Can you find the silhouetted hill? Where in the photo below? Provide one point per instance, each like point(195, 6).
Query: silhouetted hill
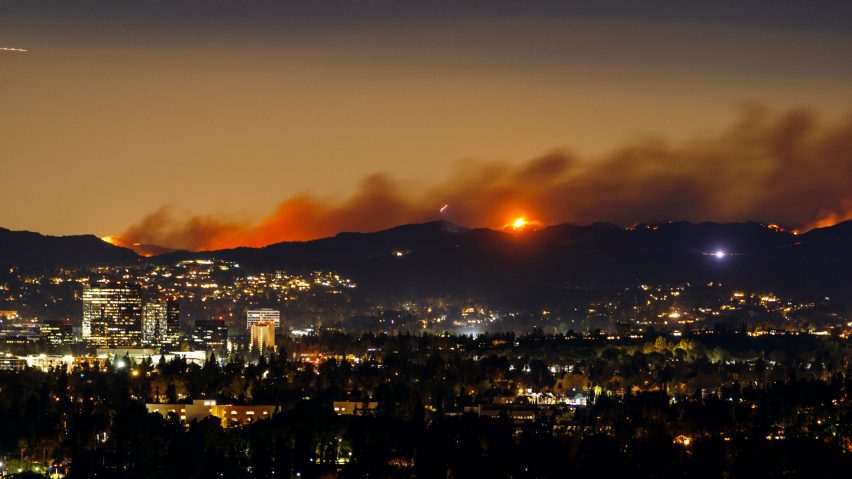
point(343, 247)
point(439, 257)
point(25, 248)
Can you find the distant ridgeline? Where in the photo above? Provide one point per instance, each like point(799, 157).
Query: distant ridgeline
point(442, 258)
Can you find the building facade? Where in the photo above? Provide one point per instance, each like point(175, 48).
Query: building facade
point(160, 323)
point(262, 336)
point(355, 408)
point(230, 415)
point(9, 362)
point(210, 334)
point(153, 322)
point(264, 315)
point(57, 333)
point(112, 316)
point(172, 334)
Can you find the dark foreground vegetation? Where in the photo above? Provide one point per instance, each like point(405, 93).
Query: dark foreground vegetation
point(710, 405)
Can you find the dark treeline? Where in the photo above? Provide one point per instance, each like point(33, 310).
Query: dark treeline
point(705, 406)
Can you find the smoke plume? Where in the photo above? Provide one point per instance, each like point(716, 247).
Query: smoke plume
point(791, 168)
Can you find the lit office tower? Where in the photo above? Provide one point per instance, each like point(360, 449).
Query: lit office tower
point(112, 316)
point(160, 323)
point(262, 336)
point(265, 315)
point(57, 333)
point(153, 322)
point(172, 334)
point(210, 334)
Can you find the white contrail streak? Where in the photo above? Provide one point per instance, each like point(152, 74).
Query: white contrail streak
point(12, 49)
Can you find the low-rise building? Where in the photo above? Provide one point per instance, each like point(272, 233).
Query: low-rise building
point(230, 415)
point(45, 362)
point(356, 408)
point(57, 333)
point(517, 413)
point(234, 415)
point(9, 362)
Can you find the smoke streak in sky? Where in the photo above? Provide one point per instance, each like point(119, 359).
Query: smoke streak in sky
point(226, 108)
point(790, 168)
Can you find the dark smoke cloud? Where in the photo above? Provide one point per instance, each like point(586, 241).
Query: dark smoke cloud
point(789, 168)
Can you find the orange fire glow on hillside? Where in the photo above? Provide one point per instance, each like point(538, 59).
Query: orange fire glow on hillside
point(832, 218)
point(521, 223)
point(655, 181)
point(142, 250)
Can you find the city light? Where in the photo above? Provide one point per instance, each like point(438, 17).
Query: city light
point(222, 259)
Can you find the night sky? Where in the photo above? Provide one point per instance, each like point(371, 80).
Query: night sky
point(207, 124)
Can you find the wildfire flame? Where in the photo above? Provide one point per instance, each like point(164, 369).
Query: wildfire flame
point(832, 218)
point(656, 179)
point(140, 249)
point(521, 223)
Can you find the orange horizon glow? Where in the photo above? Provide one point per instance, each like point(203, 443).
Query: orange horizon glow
point(307, 218)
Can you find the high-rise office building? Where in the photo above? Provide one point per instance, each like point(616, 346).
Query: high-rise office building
point(112, 316)
point(160, 323)
point(172, 334)
point(57, 333)
point(210, 334)
point(264, 315)
point(153, 322)
point(262, 336)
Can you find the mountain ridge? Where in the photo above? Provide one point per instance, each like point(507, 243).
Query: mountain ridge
point(28, 248)
point(443, 258)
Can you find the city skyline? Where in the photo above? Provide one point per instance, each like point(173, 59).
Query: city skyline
point(508, 239)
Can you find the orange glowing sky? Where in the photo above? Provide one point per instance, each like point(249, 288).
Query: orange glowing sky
point(225, 113)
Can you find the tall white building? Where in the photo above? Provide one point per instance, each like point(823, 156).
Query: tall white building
point(153, 321)
point(160, 322)
point(264, 315)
